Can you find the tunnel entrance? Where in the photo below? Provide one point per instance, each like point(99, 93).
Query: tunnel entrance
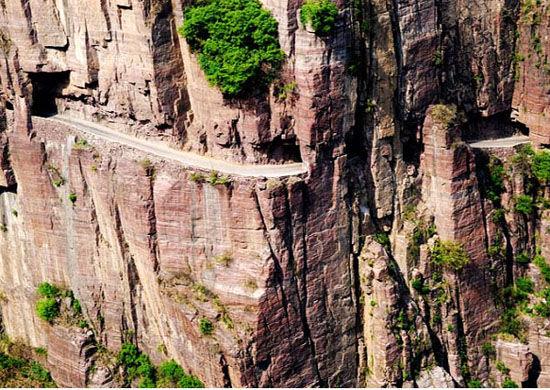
point(46, 87)
point(534, 373)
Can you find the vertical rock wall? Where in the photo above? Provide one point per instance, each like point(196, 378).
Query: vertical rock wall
point(288, 270)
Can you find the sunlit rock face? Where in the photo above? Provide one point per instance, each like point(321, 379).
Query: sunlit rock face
point(326, 278)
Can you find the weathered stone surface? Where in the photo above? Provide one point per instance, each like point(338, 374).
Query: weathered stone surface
point(531, 95)
point(69, 355)
point(437, 377)
point(286, 269)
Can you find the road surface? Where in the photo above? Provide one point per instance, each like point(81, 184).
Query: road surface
point(188, 159)
point(507, 142)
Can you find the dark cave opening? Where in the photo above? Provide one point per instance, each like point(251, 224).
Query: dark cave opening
point(11, 188)
point(46, 88)
point(520, 127)
point(283, 149)
point(412, 142)
point(534, 373)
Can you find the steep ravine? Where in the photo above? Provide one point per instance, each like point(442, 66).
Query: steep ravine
point(352, 274)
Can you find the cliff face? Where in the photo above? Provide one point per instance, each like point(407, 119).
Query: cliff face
point(323, 278)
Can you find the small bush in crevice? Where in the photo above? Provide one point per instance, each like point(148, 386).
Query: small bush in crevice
point(320, 15)
point(498, 216)
point(449, 254)
point(206, 327)
point(48, 290)
point(542, 308)
point(543, 266)
point(524, 205)
point(511, 324)
point(444, 114)
point(72, 197)
point(474, 384)
point(216, 179)
point(525, 285)
point(170, 374)
point(496, 180)
point(49, 306)
point(225, 259)
point(523, 258)
point(196, 177)
point(383, 239)
point(81, 144)
point(522, 159)
point(488, 349)
point(285, 91)
point(501, 367)
point(509, 384)
point(47, 309)
point(17, 370)
point(541, 166)
point(418, 285)
point(137, 366)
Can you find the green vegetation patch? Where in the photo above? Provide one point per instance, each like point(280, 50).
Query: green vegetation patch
point(236, 42)
point(72, 197)
point(138, 368)
point(170, 374)
point(542, 308)
point(543, 266)
point(474, 384)
point(383, 239)
point(450, 254)
point(18, 369)
point(206, 327)
point(48, 309)
point(524, 205)
point(509, 384)
point(320, 15)
point(523, 258)
point(49, 306)
point(496, 180)
point(541, 166)
point(419, 285)
point(444, 114)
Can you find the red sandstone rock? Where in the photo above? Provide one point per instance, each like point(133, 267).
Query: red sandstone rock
point(141, 245)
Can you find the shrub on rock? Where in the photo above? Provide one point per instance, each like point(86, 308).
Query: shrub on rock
point(320, 15)
point(237, 44)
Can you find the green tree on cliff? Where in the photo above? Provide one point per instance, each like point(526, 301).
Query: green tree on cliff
point(236, 42)
point(541, 166)
point(320, 15)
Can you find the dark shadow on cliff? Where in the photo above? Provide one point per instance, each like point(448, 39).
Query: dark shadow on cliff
point(279, 148)
point(46, 88)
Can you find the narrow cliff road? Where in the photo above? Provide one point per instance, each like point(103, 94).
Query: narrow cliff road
point(188, 159)
point(508, 142)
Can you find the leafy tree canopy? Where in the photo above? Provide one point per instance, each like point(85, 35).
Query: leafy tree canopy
point(237, 44)
point(320, 15)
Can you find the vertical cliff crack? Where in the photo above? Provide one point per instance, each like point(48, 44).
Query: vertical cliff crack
point(152, 219)
point(280, 280)
point(304, 298)
point(26, 5)
point(133, 276)
point(225, 371)
point(105, 10)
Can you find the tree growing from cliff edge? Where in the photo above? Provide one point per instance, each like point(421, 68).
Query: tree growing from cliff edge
point(320, 15)
point(236, 42)
point(541, 166)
